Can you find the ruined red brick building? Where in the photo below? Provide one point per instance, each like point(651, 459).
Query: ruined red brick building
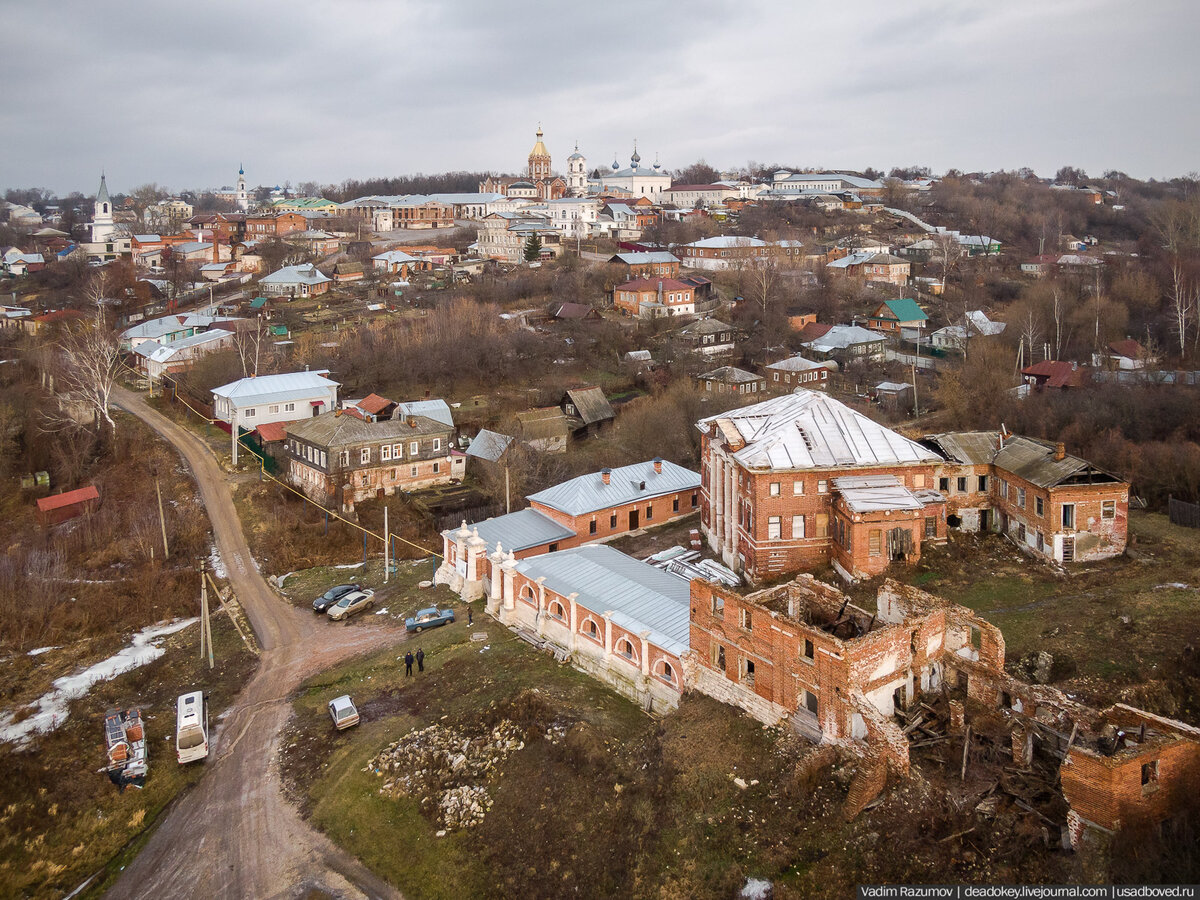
point(803, 480)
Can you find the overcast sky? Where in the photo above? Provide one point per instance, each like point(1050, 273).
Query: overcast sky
point(181, 93)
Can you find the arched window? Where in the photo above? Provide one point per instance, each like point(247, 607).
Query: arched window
point(625, 648)
point(557, 611)
point(590, 629)
point(527, 593)
point(665, 672)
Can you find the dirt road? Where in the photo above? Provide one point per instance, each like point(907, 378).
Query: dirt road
point(235, 835)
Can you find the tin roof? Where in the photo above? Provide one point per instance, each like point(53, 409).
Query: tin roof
point(810, 430)
point(297, 385)
point(68, 498)
point(640, 597)
point(1027, 458)
point(489, 445)
point(590, 404)
point(438, 410)
point(519, 531)
point(730, 375)
point(335, 429)
point(626, 484)
point(875, 493)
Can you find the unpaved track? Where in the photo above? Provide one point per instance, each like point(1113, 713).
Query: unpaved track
point(235, 835)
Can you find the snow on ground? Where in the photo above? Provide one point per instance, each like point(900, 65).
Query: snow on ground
point(40, 650)
point(350, 566)
point(381, 612)
point(52, 707)
point(218, 564)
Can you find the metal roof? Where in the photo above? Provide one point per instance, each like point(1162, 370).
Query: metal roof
point(626, 484)
point(875, 493)
point(438, 410)
point(156, 328)
point(262, 385)
point(906, 310)
point(518, 531)
point(336, 429)
point(489, 445)
point(645, 256)
point(839, 337)
point(305, 274)
point(730, 375)
point(640, 597)
point(727, 241)
point(797, 364)
point(163, 352)
point(810, 430)
point(1027, 458)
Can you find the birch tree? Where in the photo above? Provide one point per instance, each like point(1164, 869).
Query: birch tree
point(89, 363)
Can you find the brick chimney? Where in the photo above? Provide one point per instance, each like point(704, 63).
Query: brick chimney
point(658, 465)
point(1060, 451)
point(412, 422)
point(606, 475)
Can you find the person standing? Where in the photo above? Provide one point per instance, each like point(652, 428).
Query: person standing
point(470, 618)
point(420, 660)
point(408, 661)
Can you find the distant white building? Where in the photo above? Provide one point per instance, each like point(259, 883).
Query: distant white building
point(637, 181)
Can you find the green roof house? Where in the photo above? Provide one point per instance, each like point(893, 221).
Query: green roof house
point(893, 315)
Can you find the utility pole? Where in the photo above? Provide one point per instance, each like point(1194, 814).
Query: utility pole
point(203, 607)
point(387, 540)
point(233, 427)
point(507, 501)
point(161, 520)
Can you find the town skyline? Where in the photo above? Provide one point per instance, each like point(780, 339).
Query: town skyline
point(932, 85)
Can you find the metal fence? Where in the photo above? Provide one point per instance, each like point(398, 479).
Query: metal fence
point(1185, 514)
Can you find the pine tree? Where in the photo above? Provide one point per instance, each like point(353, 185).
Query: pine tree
point(533, 248)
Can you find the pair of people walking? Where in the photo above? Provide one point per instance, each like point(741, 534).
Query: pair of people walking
point(408, 661)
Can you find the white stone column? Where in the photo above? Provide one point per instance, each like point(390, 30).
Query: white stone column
point(496, 587)
point(539, 620)
point(645, 636)
point(607, 636)
point(574, 621)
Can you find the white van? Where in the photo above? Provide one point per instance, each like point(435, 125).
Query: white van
point(191, 727)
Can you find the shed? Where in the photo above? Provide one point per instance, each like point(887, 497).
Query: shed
point(68, 505)
point(589, 407)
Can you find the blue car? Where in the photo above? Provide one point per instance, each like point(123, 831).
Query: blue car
point(429, 618)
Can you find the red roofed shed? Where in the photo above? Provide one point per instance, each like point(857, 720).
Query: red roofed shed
point(68, 505)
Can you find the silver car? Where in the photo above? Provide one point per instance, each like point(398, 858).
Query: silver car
point(355, 601)
point(343, 713)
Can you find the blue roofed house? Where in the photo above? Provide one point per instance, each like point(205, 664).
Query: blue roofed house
point(265, 399)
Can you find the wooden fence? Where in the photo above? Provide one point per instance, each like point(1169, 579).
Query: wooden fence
point(1185, 514)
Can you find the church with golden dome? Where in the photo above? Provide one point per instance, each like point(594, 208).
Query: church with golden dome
point(538, 182)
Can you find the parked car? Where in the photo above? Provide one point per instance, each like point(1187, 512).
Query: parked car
point(429, 618)
point(333, 595)
point(355, 601)
point(343, 713)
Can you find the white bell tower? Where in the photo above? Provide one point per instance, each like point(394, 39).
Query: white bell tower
point(576, 173)
point(243, 200)
point(102, 223)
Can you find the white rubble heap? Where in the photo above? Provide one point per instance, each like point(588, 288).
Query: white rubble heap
point(444, 768)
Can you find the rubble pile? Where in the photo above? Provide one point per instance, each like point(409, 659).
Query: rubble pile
point(443, 768)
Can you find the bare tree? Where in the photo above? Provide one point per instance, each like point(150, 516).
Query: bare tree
point(89, 359)
point(247, 340)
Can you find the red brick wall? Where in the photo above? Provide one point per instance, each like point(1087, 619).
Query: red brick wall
point(1108, 790)
point(663, 511)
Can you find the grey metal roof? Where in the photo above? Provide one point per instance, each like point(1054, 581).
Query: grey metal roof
point(810, 430)
point(641, 597)
point(727, 241)
point(731, 375)
point(797, 364)
point(519, 531)
point(262, 385)
point(336, 429)
point(589, 493)
point(875, 493)
point(1027, 458)
point(156, 328)
point(438, 410)
point(489, 445)
point(646, 256)
point(839, 337)
point(305, 274)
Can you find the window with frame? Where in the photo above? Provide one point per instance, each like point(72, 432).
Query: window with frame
point(774, 490)
point(1021, 497)
point(437, 444)
point(717, 656)
point(364, 455)
point(385, 452)
point(745, 619)
point(944, 485)
point(811, 703)
point(1068, 515)
point(1003, 489)
point(809, 653)
point(718, 605)
point(590, 629)
point(666, 673)
point(625, 648)
point(413, 447)
point(774, 528)
point(273, 409)
point(289, 407)
point(1108, 509)
point(983, 483)
point(557, 611)
point(1039, 506)
point(413, 473)
point(345, 458)
point(822, 487)
point(797, 527)
point(695, 499)
point(675, 505)
point(962, 484)
point(822, 525)
point(612, 521)
point(249, 414)
point(748, 671)
point(930, 526)
point(797, 488)
point(875, 542)
point(436, 468)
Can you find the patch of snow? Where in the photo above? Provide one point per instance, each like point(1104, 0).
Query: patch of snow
point(52, 707)
point(756, 889)
point(350, 566)
point(279, 581)
point(381, 612)
point(1171, 585)
point(40, 650)
point(217, 564)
